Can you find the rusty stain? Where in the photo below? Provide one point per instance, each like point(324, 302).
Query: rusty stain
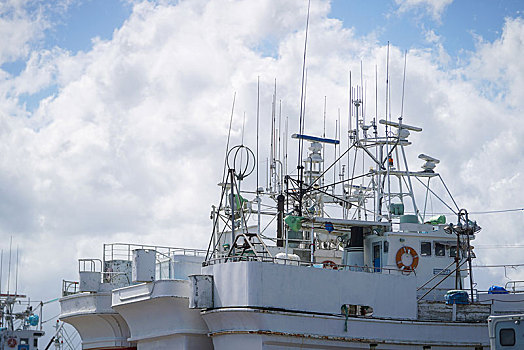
point(335, 338)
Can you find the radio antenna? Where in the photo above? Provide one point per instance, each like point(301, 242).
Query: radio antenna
point(9, 264)
point(16, 272)
point(302, 112)
point(258, 123)
point(403, 85)
point(1, 268)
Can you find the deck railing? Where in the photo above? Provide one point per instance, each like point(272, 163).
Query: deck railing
point(513, 285)
point(115, 266)
point(124, 251)
point(69, 287)
point(292, 262)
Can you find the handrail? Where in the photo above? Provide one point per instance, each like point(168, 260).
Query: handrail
point(124, 251)
point(70, 287)
point(514, 285)
point(283, 261)
point(91, 263)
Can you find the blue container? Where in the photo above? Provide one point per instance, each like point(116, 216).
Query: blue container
point(497, 290)
point(456, 297)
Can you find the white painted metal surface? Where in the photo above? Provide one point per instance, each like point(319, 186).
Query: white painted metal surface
point(143, 265)
point(89, 281)
point(97, 323)
point(506, 332)
point(201, 296)
point(310, 289)
point(247, 328)
point(159, 316)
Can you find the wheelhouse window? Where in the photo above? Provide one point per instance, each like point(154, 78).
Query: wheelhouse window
point(386, 246)
point(440, 249)
point(425, 248)
point(453, 251)
point(507, 337)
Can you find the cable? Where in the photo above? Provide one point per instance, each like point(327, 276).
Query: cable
point(485, 212)
point(496, 246)
point(505, 265)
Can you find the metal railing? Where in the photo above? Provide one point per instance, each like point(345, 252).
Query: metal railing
point(292, 262)
point(90, 265)
point(115, 254)
point(69, 287)
point(514, 286)
point(124, 251)
point(439, 294)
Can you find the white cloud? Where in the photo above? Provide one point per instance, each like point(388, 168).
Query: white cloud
point(435, 8)
point(18, 27)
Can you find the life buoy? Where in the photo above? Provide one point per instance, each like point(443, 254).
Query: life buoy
point(407, 259)
point(328, 264)
point(11, 342)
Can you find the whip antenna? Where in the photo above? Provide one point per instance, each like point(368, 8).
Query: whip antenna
point(403, 85)
point(301, 120)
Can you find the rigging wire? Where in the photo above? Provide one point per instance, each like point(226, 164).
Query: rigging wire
point(485, 212)
point(497, 246)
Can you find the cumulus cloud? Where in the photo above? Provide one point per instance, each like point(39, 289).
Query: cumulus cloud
point(435, 8)
point(18, 27)
point(131, 145)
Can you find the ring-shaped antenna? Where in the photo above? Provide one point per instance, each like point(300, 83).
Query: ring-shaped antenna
point(236, 157)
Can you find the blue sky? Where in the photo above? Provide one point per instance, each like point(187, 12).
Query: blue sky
point(458, 25)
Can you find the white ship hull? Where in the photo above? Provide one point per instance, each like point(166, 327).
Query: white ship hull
point(246, 328)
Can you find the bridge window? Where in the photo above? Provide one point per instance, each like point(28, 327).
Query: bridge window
point(453, 251)
point(507, 337)
point(425, 248)
point(440, 249)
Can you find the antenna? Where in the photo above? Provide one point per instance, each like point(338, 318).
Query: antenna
point(280, 143)
point(1, 268)
point(325, 103)
point(376, 93)
point(350, 105)
point(362, 94)
point(243, 126)
point(387, 142)
point(9, 265)
point(258, 123)
point(257, 160)
point(16, 271)
point(387, 84)
point(285, 143)
point(350, 129)
point(274, 146)
point(229, 136)
point(403, 85)
point(302, 105)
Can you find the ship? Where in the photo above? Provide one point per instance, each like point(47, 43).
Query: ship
point(345, 254)
point(332, 256)
point(20, 326)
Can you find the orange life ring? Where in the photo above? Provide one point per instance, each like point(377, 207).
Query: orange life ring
point(411, 254)
point(328, 264)
point(11, 342)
